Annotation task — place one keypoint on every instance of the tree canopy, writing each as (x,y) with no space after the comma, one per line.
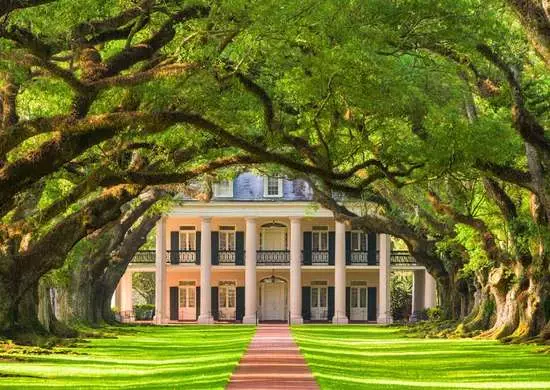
(432,116)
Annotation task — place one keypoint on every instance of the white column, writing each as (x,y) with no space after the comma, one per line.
(418,294)
(295,271)
(160,272)
(340,316)
(430,299)
(205,316)
(117,298)
(384,273)
(250,273)
(125,286)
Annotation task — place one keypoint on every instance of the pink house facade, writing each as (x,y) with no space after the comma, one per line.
(262,250)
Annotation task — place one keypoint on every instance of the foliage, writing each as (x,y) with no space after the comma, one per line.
(144,312)
(434,313)
(401,285)
(144,284)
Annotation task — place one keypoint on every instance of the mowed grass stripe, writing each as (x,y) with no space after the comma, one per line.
(356,357)
(148,357)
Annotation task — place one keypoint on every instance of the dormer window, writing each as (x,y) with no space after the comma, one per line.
(223,189)
(273,187)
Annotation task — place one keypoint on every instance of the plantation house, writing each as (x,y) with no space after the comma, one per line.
(262,250)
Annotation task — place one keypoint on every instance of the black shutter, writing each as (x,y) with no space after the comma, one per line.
(348,248)
(306,303)
(198,301)
(331,247)
(348,302)
(307,248)
(198,246)
(214,304)
(330,312)
(239,248)
(214,245)
(371,304)
(174,303)
(371,250)
(174,247)
(240,303)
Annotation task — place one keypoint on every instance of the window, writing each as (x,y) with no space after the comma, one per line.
(358,241)
(188,238)
(314,297)
(227,238)
(224,189)
(273,187)
(319,238)
(227,295)
(354,297)
(187,294)
(319,292)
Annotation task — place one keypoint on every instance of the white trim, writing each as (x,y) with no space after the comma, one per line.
(279,187)
(250,209)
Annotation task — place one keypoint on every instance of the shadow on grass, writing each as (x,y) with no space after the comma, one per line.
(190,357)
(355,357)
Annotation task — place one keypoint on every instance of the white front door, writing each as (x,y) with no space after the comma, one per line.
(227,301)
(319,308)
(358,310)
(273,239)
(187,308)
(273,295)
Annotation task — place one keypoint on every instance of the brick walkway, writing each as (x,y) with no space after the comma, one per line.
(272,361)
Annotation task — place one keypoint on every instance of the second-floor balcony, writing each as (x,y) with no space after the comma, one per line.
(183,256)
(274,258)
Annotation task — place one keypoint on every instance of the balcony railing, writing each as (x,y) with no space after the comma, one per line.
(319,258)
(402,258)
(272,257)
(226,257)
(144,257)
(363,258)
(266,257)
(181,256)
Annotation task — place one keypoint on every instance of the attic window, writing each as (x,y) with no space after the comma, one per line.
(273,187)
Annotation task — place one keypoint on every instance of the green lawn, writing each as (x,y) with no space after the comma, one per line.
(183,357)
(359,357)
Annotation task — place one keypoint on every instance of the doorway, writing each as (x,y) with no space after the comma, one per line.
(273,299)
(358,303)
(187,301)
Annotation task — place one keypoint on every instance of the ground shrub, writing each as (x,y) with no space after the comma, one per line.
(144,312)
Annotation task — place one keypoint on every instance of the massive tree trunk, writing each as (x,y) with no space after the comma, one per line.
(518,298)
(482,313)
(89,290)
(20,271)
(119,263)
(47,316)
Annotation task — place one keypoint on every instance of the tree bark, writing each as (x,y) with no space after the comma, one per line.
(88,289)
(21,271)
(518,304)
(120,260)
(534,15)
